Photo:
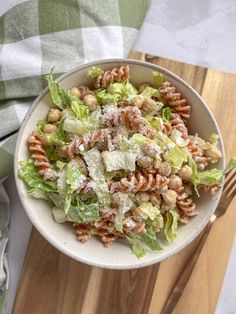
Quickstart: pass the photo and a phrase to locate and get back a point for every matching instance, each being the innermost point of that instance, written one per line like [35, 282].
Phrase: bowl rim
[47, 235]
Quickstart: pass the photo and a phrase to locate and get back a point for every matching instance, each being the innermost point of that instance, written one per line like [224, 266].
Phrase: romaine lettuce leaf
[97, 173]
[155, 122]
[116, 160]
[58, 95]
[83, 213]
[170, 229]
[147, 210]
[78, 107]
[94, 72]
[136, 245]
[72, 125]
[207, 177]
[158, 78]
[150, 92]
[231, 165]
[30, 175]
[56, 199]
[124, 204]
[172, 153]
[150, 239]
[103, 97]
[213, 139]
[74, 176]
[140, 139]
[59, 137]
[122, 89]
[37, 193]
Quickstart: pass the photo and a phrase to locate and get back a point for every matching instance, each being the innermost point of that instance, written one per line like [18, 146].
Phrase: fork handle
[185, 273]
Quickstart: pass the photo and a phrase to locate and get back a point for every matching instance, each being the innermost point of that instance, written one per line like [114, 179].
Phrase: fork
[229, 192]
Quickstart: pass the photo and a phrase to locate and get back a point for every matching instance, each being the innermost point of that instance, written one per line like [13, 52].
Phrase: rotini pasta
[111, 76]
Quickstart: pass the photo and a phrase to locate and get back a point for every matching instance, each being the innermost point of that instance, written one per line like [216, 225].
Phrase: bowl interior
[119, 254]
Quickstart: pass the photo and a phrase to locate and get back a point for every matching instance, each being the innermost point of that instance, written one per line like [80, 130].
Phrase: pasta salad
[117, 160]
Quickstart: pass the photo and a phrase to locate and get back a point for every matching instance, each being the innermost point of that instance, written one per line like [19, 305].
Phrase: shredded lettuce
[40, 125]
[74, 176]
[170, 229]
[97, 173]
[104, 97]
[95, 72]
[213, 139]
[116, 160]
[155, 122]
[58, 95]
[122, 89]
[158, 78]
[172, 153]
[60, 164]
[140, 139]
[124, 203]
[157, 222]
[29, 173]
[150, 92]
[231, 165]
[147, 210]
[83, 213]
[73, 125]
[56, 199]
[207, 177]
[166, 112]
[150, 239]
[78, 107]
[136, 246]
[37, 193]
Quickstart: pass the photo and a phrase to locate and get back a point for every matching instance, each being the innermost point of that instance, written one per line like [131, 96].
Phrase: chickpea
[164, 169]
[79, 161]
[62, 151]
[169, 197]
[142, 87]
[45, 140]
[144, 162]
[49, 128]
[185, 172]
[155, 199]
[142, 197]
[138, 102]
[149, 105]
[90, 101]
[54, 115]
[214, 153]
[76, 92]
[175, 182]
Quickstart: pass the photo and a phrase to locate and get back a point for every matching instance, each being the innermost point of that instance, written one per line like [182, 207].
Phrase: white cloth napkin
[198, 32]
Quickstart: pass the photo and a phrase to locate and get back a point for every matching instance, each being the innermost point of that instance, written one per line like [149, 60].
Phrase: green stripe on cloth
[9, 118]
[21, 87]
[2, 88]
[1, 30]
[99, 13]
[21, 22]
[132, 12]
[58, 15]
[6, 163]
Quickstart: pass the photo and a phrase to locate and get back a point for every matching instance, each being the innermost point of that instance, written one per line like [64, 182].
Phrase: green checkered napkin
[37, 35]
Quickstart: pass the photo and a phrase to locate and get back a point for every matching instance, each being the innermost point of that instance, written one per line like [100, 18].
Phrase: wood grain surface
[52, 283]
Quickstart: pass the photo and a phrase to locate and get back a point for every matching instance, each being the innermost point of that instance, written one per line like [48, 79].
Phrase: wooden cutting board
[52, 283]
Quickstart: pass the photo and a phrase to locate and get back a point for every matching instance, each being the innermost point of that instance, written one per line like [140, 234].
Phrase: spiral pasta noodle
[114, 75]
[82, 231]
[132, 117]
[41, 161]
[187, 207]
[139, 182]
[91, 139]
[178, 124]
[175, 100]
[198, 155]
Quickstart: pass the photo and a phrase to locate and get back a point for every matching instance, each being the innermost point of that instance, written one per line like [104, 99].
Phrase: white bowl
[119, 255]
